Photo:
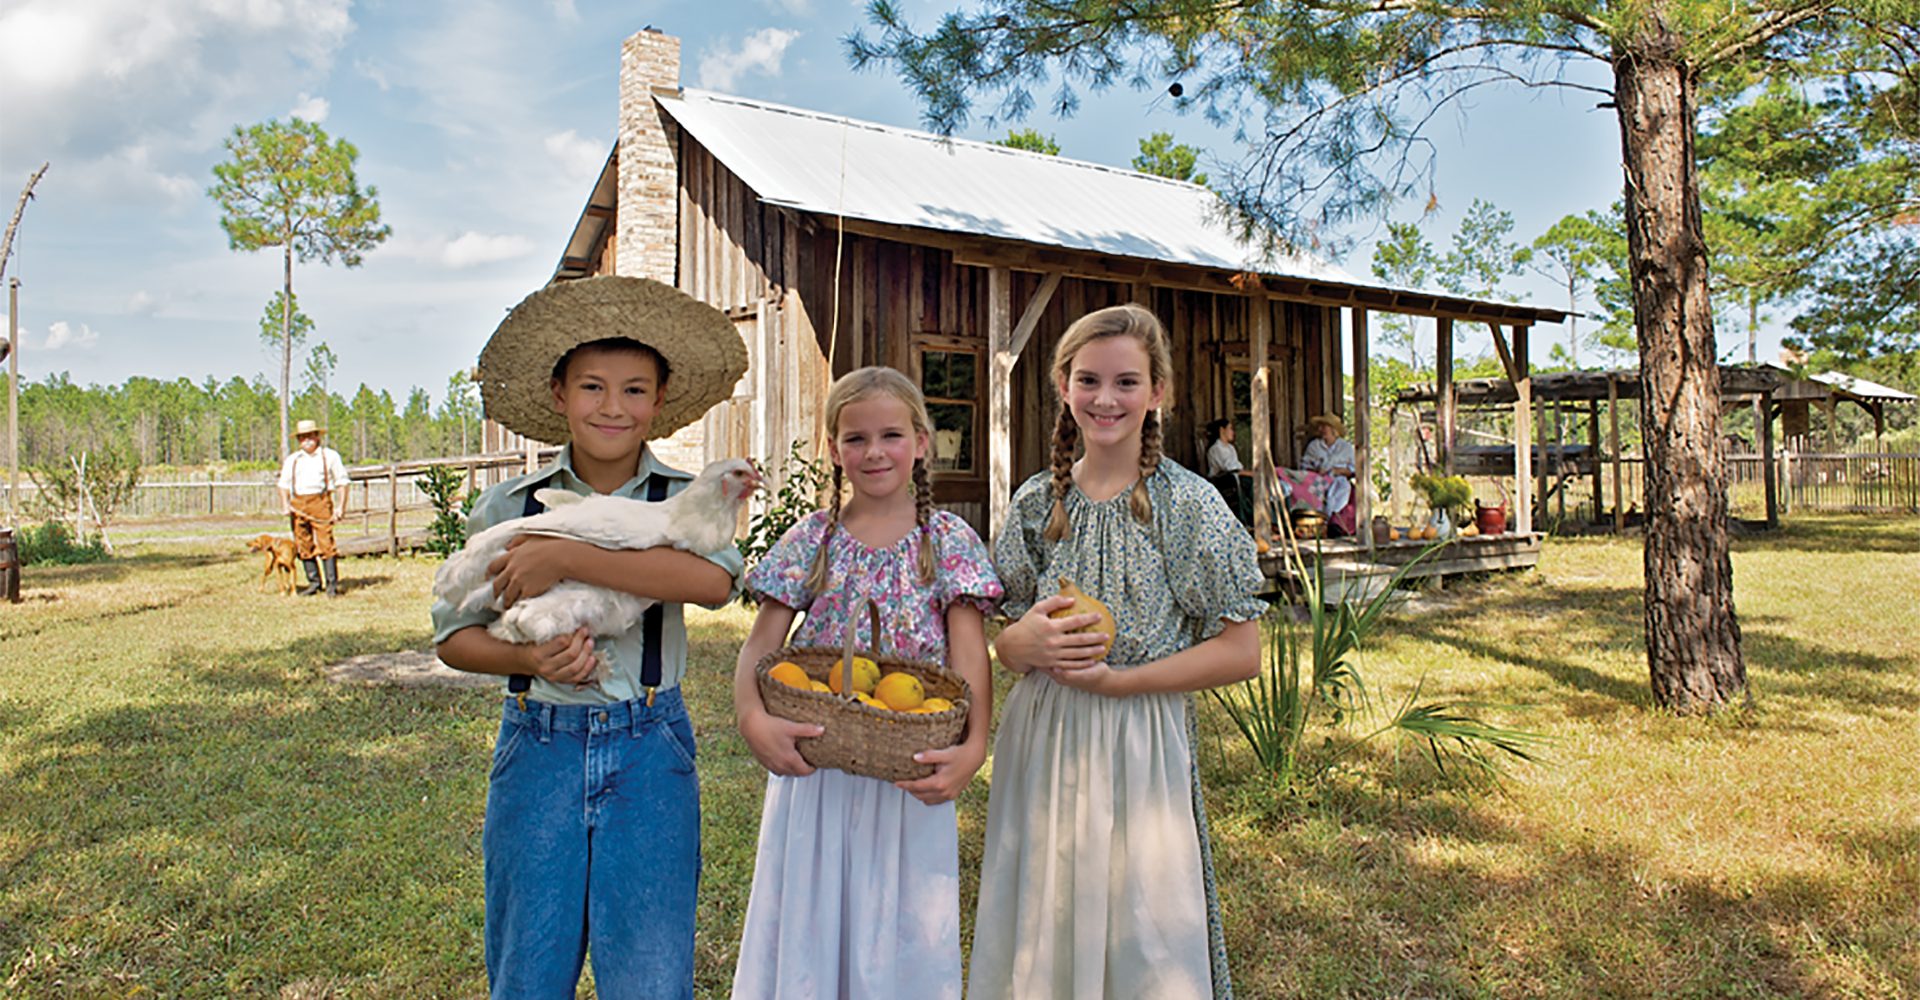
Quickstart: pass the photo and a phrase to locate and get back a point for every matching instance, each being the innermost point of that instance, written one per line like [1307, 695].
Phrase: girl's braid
[1139, 502]
[1066, 434]
[923, 516]
[817, 577]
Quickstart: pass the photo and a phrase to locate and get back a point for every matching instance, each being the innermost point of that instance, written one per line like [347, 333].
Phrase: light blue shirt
[508, 500]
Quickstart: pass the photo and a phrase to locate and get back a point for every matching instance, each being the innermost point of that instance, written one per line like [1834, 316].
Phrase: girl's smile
[1110, 392]
[876, 445]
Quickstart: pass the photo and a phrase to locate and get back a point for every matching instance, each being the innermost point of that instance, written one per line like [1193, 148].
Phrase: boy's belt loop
[543, 721]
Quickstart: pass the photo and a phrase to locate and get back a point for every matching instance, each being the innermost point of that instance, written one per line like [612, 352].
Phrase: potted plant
[1447, 497]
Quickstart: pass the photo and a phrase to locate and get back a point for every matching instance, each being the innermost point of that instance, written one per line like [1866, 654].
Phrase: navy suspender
[652, 622]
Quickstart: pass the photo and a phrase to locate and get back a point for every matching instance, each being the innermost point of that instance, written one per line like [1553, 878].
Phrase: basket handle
[853, 629]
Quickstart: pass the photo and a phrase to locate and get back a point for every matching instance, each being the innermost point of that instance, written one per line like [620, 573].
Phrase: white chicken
[700, 519]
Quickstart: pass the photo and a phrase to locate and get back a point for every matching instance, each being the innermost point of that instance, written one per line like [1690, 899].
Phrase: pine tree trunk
[286, 345]
[1693, 637]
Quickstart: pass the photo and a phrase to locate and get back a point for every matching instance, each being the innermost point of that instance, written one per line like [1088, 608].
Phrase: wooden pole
[1443, 389]
[1764, 410]
[393, 508]
[1593, 452]
[999, 397]
[13, 402]
[1362, 431]
[1522, 436]
[1613, 449]
[1261, 406]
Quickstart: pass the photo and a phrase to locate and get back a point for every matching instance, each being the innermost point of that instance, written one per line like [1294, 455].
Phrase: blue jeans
[592, 842]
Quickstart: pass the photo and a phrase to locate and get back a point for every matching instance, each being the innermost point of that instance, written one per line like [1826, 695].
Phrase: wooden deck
[1354, 572]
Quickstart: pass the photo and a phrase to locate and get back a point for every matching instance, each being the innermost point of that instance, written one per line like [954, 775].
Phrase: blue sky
[483, 124]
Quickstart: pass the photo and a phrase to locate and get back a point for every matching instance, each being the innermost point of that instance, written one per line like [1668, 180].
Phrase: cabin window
[948, 378]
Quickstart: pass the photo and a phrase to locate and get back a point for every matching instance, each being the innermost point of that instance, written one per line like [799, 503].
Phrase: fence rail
[1807, 478]
[375, 493]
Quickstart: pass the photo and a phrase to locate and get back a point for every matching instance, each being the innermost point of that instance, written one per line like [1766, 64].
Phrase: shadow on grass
[1837, 533]
[1366, 893]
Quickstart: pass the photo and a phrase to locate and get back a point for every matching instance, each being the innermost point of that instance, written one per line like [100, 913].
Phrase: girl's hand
[772, 738]
[1037, 642]
[953, 767]
[530, 567]
[1093, 678]
[566, 659]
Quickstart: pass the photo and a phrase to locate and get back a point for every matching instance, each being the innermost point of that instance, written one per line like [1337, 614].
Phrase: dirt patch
[405, 668]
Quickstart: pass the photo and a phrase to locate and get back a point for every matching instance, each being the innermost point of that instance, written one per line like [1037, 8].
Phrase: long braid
[1140, 503]
[1066, 434]
[817, 576]
[923, 516]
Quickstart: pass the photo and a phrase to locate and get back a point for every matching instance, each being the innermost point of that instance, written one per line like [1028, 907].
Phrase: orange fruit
[935, 705]
[818, 686]
[869, 700]
[866, 674]
[791, 674]
[900, 691]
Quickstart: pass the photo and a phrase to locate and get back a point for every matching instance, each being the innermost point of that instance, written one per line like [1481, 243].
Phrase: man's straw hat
[705, 356]
[305, 427]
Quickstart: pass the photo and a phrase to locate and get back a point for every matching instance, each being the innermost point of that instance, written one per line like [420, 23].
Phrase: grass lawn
[188, 808]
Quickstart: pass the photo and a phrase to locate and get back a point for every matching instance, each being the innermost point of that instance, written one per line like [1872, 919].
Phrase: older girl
[1097, 879]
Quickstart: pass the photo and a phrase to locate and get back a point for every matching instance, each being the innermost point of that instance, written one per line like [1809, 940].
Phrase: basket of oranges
[877, 710]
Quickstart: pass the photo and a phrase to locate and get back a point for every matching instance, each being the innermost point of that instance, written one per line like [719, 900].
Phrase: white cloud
[309, 108]
[469, 249]
[143, 303]
[86, 81]
[798, 8]
[760, 52]
[565, 10]
[63, 334]
[579, 156]
[372, 71]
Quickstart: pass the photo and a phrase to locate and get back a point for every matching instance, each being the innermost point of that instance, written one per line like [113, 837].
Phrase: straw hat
[1327, 420]
[305, 427]
[705, 356]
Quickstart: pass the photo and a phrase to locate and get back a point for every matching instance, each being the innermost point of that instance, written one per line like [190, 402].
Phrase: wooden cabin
[836, 243]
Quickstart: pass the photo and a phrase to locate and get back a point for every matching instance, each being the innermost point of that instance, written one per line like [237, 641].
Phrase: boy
[592, 835]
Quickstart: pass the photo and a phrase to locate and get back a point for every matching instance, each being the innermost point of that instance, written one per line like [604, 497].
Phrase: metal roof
[838, 166]
[1862, 387]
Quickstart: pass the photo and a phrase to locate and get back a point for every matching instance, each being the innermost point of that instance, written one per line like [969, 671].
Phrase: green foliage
[1406, 259]
[1162, 157]
[1482, 257]
[52, 544]
[282, 322]
[441, 484]
[1449, 493]
[1313, 682]
[803, 481]
[1030, 140]
[89, 487]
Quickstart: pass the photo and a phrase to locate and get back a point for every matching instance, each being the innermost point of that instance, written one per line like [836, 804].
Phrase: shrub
[52, 544]
[802, 483]
[441, 484]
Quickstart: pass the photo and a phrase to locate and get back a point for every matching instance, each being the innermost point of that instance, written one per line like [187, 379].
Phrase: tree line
[157, 422]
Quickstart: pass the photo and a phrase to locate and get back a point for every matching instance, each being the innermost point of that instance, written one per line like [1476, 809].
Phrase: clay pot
[1382, 530]
[1490, 520]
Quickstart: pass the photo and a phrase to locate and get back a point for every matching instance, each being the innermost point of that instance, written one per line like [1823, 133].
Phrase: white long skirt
[856, 894]
[1092, 885]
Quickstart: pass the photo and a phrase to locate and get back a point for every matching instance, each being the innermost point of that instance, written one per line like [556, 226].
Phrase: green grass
[187, 808]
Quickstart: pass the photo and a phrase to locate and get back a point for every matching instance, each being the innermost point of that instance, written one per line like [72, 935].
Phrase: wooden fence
[379, 497]
[1812, 477]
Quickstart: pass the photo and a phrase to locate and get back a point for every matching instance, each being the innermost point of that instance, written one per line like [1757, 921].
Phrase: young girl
[856, 890]
[1097, 879]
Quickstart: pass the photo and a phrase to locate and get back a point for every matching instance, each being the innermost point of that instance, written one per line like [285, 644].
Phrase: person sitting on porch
[1324, 481]
[1224, 471]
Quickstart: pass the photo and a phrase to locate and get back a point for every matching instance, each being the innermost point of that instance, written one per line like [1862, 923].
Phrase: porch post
[1765, 410]
[999, 397]
[1613, 450]
[1362, 430]
[1261, 408]
[1522, 435]
[1443, 389]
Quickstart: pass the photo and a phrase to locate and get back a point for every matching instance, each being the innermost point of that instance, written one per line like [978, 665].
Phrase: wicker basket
[860, 739]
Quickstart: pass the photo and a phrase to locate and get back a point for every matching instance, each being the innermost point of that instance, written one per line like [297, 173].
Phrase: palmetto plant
[1312, 677]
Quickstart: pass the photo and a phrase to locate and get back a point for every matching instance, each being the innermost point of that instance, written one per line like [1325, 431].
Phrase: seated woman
[1324, 481]
[1224, 471]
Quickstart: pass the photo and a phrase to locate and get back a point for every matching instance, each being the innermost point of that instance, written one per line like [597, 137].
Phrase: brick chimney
[647, 240]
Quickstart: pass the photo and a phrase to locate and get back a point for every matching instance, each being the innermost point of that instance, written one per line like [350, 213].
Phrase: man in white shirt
[313, 492]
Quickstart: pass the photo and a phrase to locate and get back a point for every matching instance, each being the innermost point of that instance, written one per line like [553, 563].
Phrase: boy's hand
[566, 659]
[771, 739]
[530, 567]
[1038, 642]
[953, 767]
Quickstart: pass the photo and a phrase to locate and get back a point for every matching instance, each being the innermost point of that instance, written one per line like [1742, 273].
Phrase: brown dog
[279, 552]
